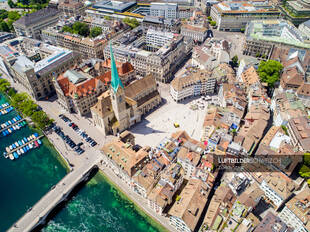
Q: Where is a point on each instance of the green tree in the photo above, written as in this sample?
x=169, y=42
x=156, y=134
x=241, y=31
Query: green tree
x=304, y=171
x=11, y=4
x=3, y=14
x=213, y=23
x=41, y=119
x=67, y=29
x=209, y=18
x=95, y=31
x=234, y=61
x=81, y=29
x=13, y=15
x=307, y=159
x=4, y=26
x=11, y=92
x=132, y=22
x=269, y=71
x=28, y=107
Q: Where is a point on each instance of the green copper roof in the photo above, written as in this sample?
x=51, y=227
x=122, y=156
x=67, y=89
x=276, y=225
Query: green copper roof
x=115, y=80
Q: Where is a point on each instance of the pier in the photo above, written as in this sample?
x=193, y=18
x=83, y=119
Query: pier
x=11, y=125
x=38, y=214
x=20, y=147
x=4, y=108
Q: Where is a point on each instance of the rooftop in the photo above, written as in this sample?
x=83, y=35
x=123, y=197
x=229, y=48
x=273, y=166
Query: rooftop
x=278, y=31
x=191, y=203
x=33, y=18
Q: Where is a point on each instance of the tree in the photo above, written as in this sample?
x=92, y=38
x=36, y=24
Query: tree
x=11, y=92
x=131, y=22
x=11, y=4
x=209, y=18
x=213, y=23
x=4, y=26
x=95, y=31
x=234, y=61
x=67, y=29
x=41, y=119
x=3, y=14
x=307, y=159
x=13, y=15
x=81, y=29
x=304, y=171
x=269, y=71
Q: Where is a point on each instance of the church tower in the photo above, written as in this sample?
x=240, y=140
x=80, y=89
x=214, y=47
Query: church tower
x=118, y=95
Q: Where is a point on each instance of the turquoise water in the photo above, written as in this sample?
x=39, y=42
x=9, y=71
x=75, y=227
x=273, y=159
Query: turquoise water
x=98, y=206
x=24, y=181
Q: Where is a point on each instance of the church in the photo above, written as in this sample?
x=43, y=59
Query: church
x=121, y=107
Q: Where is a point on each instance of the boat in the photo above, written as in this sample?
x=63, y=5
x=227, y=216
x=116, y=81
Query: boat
x=13, y=145
x=36, y=143
x=16, y=144
x=11, y=157
x=15, y=155
x=23, y=142
x=36, y=134
x=25, y=149
x=7, y=149
x=21, y=151
x=11, y=148
x=39, y=142
x=19, y=143
x=18, y=152
x=30, y=146
x=9, y=130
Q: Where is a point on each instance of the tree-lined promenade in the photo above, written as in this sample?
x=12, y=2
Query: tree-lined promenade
x=25, y=105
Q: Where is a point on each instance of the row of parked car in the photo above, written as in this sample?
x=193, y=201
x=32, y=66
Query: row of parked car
x=78, y=130
x=77, y=147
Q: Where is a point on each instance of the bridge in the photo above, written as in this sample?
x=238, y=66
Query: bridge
x=37, y=215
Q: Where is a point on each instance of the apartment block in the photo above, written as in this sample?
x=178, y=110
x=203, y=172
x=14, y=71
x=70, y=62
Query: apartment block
x=235, y=15
x=299, y=131
x=166, y=10
x=296, y=212
x=32, y=24
x=71, y=8
x=263, y=35
x=278, y=188
x=185, y=213
x=198, y=82
x=87, y=47
x=161, y=62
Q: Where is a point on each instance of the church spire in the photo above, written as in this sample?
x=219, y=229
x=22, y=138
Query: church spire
x=115, y=80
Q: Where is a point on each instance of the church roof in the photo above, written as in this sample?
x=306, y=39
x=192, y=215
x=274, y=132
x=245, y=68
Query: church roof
x=115, y=80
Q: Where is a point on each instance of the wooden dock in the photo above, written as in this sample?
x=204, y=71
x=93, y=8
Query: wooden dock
x=21, y=146
x=5, y=107
x=11, y=125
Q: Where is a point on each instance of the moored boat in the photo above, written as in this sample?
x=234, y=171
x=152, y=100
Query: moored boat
x=11, y=157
